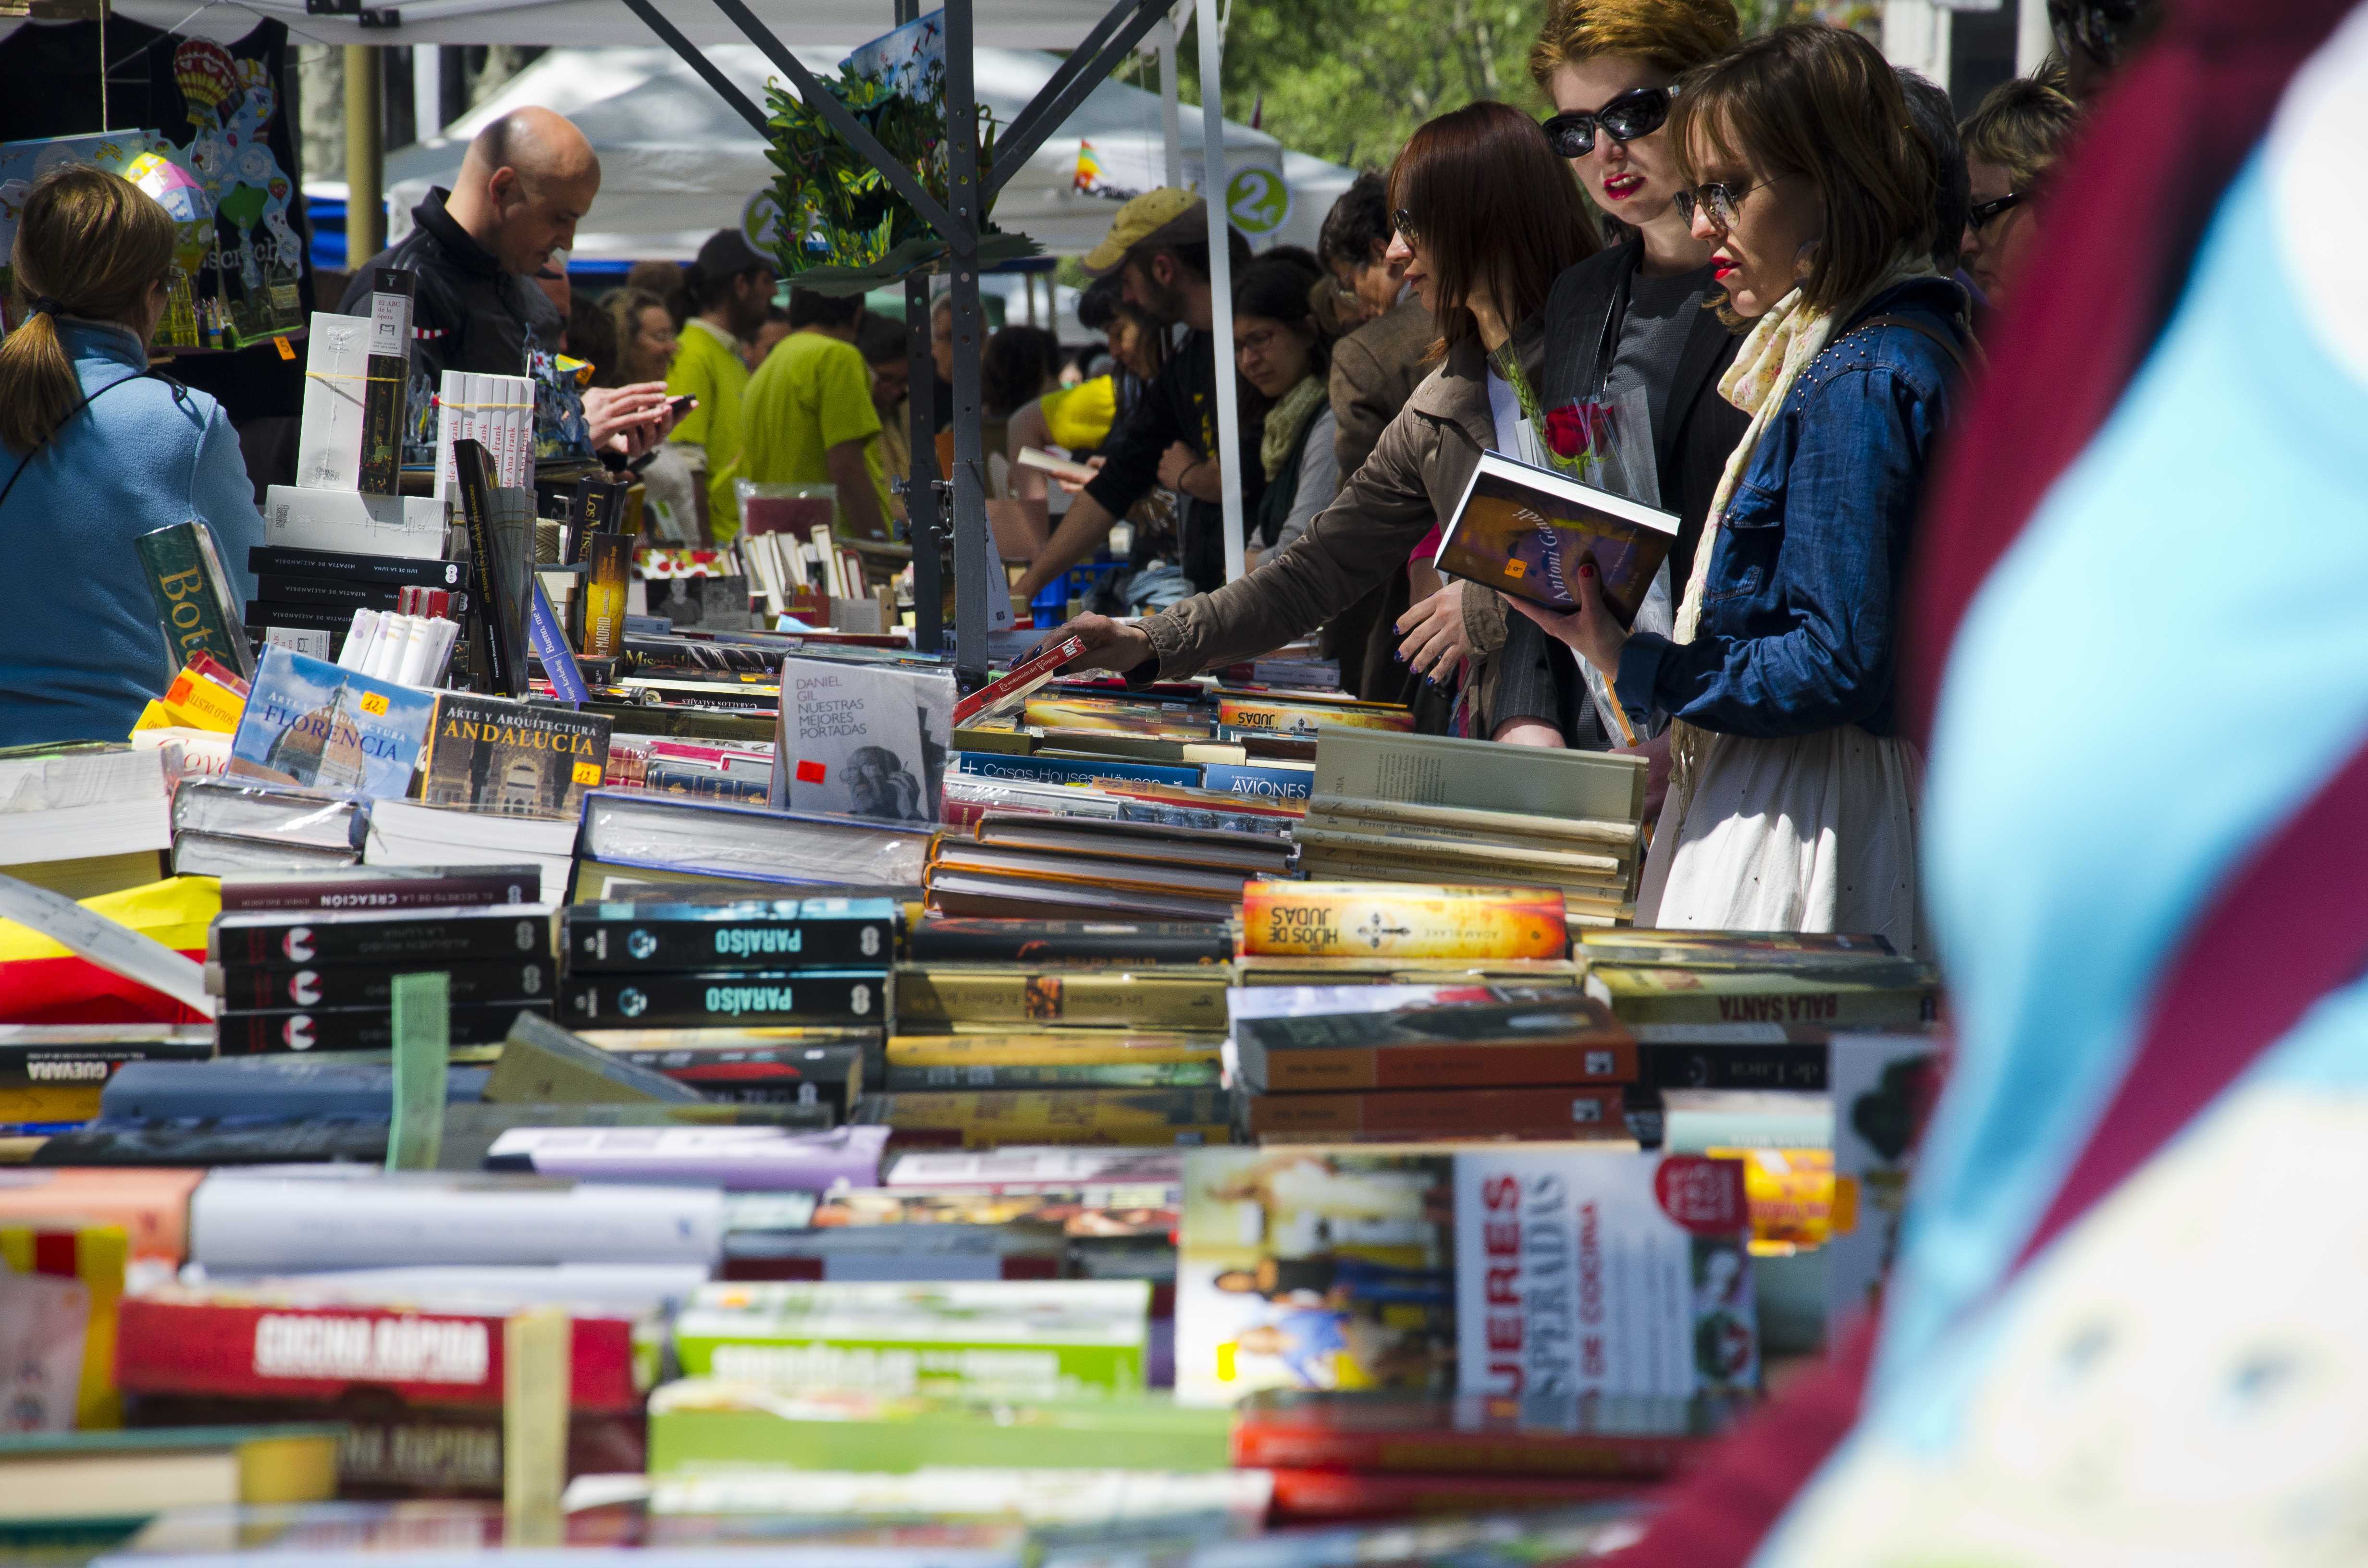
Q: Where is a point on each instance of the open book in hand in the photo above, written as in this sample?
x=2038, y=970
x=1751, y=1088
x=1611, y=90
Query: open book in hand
x=1524, y=530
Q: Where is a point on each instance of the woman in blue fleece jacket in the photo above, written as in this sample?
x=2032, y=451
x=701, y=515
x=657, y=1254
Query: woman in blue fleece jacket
x=81, y=652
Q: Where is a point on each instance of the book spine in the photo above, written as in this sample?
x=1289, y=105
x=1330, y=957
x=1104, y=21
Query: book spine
x=1311, y=1496
x=389, y=383
x=192, y=595
x=356, y=1028
x=946, y=995
x=451, y=936
x=247, y=990
x=1444, y=1067
x=598, y=943
x=1835, y=1009
x=704, y=783
x=716, y=999
x=504, y=666
x=1737, y=1066
x=1253, y=782
x=605, y=586
x=314, y=593
x=1391, y=817
x=1470, y=858
x=1028, y=941
x=379, y=571
x=298, y=1143
x=1290, y=719
x=249, y=1351
x=1575, y=1113
x=462, y=887
x=1034, y=770
x=990, y=1119
x=1262, y=1443
x=40, y=1066
x=1321, y=920
x=1057, y=1075
x=49, y=1103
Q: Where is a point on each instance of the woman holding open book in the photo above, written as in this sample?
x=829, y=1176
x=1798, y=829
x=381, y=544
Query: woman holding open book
x=1791, y=801
x=1487, y=217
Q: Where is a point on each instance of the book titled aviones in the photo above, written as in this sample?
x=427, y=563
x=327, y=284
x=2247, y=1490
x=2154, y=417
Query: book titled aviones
x=518, y=758
x=309, y=723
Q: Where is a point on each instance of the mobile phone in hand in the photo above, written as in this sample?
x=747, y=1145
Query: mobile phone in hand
x=679, y=406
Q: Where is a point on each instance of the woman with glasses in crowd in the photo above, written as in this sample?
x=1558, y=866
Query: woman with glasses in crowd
x=1791, y=799
x=1627, y=327
x=1486, y=218
x=2009, y=141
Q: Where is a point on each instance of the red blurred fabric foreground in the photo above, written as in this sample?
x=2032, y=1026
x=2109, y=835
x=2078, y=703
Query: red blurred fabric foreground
x=2123, y=224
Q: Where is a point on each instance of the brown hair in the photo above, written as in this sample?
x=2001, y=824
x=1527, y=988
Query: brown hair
x=625, y=306
x=90, y=243
x=1668, y=35
x=1496, y=210
x=1820, y=102
x=2020, y=126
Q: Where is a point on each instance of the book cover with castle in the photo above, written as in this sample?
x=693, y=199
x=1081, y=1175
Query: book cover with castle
x=513, y=757
x=309, y=722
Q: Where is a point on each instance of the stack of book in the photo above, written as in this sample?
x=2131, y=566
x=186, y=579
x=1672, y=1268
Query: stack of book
x=1079, y=1034
x=85, y=820
x=709, y=971
x=1022, y=865
x=633, y=843
x=322, y=978
x=317, y=591
x=52, y=1076
x=222, y=827
x=1432, y=809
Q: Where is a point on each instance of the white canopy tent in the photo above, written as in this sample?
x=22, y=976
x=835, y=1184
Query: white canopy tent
x=1006, y=24
x=677, y=163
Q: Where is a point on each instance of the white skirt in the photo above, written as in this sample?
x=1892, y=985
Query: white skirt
x=1811, y=833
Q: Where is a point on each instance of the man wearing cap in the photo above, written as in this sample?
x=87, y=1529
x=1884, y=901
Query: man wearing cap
x=1160, y=247
x=476, y=251
x=730, y=288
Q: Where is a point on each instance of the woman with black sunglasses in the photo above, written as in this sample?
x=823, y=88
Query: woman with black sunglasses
x=1627, y=327
x=2009, y=141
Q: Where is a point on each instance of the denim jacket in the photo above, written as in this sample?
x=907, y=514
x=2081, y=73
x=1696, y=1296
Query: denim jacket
x=1800, y=613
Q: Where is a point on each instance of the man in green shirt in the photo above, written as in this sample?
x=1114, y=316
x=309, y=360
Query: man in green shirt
x=808, y=417
x=730, y=287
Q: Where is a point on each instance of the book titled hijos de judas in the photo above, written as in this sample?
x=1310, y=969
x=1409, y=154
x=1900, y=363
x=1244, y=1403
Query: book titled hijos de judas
x=1524, y=531
x=517, y=758
x=1342, y=919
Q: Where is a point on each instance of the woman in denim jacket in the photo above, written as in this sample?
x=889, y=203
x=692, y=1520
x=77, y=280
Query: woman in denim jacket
x=1791, y=801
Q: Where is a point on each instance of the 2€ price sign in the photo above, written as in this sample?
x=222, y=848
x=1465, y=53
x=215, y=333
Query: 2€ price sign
x=1256, y=200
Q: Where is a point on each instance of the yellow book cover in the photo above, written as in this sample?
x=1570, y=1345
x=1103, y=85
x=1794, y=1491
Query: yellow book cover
x=206, y=705
x=55, y=1282
x=1301, y=719
x=50, y=1102
x=990, y=1118
x=1078, y=1048
x=1411, y=920
x=934, y=994
x=1156, y=719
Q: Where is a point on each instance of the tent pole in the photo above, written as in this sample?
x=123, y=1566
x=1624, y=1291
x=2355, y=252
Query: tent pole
x=923, y=510
x=364, y=162
x=978, y=574
x=427, y=91
x=1220, y=285
x=1171, y=115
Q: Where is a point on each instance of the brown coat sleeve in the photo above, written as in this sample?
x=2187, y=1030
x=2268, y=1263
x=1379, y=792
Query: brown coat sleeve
x=1352, y=546
x=1364, y=402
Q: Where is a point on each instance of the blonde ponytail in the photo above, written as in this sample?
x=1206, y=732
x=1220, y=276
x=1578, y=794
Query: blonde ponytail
x=91, y=245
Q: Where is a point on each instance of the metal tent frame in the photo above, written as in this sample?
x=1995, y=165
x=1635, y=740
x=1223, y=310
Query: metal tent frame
x=958, y=220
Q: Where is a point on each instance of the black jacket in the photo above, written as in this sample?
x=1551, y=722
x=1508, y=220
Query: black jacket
x=1180, y=404
x=1539, y=679
x=468, y=315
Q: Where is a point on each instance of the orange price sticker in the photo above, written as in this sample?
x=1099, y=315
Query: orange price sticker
x=587, y=773
x=374, y=702
x=287, y=349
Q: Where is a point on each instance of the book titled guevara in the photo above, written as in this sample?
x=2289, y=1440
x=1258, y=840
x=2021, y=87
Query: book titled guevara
x=309, y=723
x=515, y=758
x=1524, y=530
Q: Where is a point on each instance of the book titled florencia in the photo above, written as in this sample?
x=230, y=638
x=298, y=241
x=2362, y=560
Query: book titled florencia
x=513, y=757
x=309, y=722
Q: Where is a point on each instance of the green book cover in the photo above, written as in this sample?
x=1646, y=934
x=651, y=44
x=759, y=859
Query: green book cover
x=194, y=606
x=707, y=1424
x=1054, y=1339
x=1878, y=994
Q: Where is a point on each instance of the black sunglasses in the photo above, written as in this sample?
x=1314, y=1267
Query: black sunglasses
x=1718, y=198
x=1637, y=112
x=1407, y=225
x=1978, y=216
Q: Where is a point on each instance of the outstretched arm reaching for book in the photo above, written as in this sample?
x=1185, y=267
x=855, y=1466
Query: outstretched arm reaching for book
x=1087, y=523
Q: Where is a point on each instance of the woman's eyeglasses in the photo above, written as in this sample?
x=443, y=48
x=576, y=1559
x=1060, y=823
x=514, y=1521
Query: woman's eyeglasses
x=1637, y=112
x=1978, y=216
x=1717, y=199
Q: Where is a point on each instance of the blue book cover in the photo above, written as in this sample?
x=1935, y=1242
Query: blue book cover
x=280, y=1088
x=1257, y=782
x=312, y=724
x=1042, y=770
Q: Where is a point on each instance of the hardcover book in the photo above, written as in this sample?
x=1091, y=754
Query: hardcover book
x=1085, y=943
x=991, y=1119
x=1552, y=1113
x=933, y=995
x=1571, y=1273
x=725, y=997
x=267, y=938
x=314, y=724
x=336, y=986
x=515, y=759
x=194, y=606
x=382, y=887
x=358, y=1028
x=1480, y=775
x=1325, y=919
x=1677, y=1006
x=866, y=741
x=1569, y=1040
x=1525, y=532
x=815, y=933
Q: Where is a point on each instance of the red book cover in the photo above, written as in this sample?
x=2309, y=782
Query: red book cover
x=1472, y=1434
x=1311, y=1496
x=1013, y=687
x=238, y=1347
x=1566, y=1112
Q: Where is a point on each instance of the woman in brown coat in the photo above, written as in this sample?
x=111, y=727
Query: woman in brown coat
x=1486, y=218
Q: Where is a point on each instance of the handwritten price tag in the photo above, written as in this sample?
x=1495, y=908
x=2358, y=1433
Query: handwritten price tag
x=374, y=703
x=587, y=773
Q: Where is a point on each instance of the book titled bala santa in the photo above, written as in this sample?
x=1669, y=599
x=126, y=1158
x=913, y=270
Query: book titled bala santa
x=513, y=757
x=309, y=722
x=863, y=740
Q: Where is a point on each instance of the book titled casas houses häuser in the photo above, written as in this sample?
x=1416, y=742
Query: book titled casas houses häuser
x=1524, y=531
x=513, y=757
